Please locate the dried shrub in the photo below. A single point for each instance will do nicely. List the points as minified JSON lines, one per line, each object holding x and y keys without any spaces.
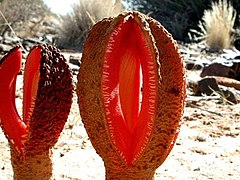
{"x":74,"y":27}
{"x":19,"y":13}
{"x":216,"y":27}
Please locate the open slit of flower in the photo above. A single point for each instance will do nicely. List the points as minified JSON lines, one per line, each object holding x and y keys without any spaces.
{"x":129,"y":88}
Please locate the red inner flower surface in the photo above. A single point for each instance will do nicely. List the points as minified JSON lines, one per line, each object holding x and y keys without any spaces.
{"x":31,"y":79}
{"x":14,"y":127}
{"x":129,"y":88}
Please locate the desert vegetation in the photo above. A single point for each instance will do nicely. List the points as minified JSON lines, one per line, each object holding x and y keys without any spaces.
{"x":217,"y":26}
{"x":74,"y":27}
{"x":20,"y":15}
{"x":181,"y":18}
{"x":215,"y":20}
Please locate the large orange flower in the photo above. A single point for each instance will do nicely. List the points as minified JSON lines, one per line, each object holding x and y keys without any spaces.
{"x":131,"y":89}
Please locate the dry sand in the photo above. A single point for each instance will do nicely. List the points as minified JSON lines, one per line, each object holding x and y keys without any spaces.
{"x":208,"y":146}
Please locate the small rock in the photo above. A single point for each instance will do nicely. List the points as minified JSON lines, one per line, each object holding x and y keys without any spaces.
{"x":226,"y":87}
{"x":197,"y":169}
{"x":190,"y":65}
{"x":208,"y":86}
{"x":75,"y":60}
{"x":216,"y":69}
{"x":235,"y":71}
{"x":201,"y":138}
{"x":205,"y":85}
{"x":237,"y":44}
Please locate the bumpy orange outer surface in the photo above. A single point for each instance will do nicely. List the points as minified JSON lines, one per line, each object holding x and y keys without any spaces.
{"x":169,"y":98}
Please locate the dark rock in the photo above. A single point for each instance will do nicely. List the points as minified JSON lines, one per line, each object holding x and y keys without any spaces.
{"x":205,"y":86}
{"x":237,"y":57}
{"x":235,"y":71}
{"x":237,"y":44}
{"x":208,"y":86}
{"x":190,"y":65}
{"x":216,"y":69}
{"x":225,"y":87}
{"x":75,"y":60}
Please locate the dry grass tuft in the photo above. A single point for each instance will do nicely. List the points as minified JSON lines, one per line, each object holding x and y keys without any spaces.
{"x":216,"y":28}
{"x":75,"y":26}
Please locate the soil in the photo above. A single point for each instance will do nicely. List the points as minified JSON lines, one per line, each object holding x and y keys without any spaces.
{"x":208,"y":146}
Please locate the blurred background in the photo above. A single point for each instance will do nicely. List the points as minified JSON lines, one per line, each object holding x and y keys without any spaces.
{"x":67,"y":23}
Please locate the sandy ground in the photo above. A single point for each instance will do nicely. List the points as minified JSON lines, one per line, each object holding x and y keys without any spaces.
{"x":208,"y":146}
